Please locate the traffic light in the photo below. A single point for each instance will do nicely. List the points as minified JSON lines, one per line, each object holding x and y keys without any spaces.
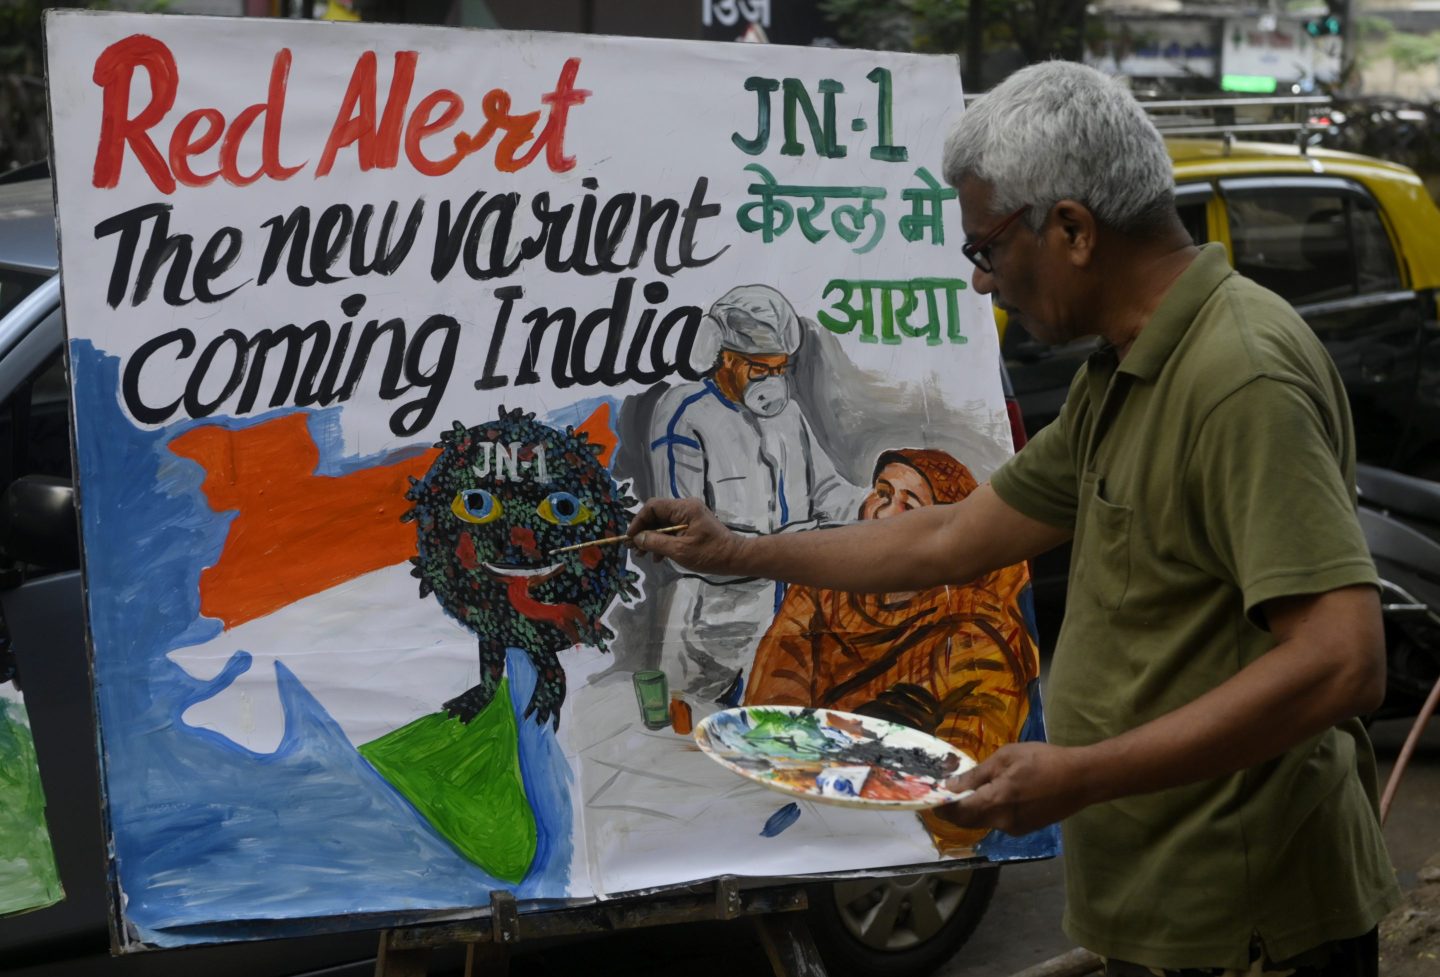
{"x":1324,"y":26}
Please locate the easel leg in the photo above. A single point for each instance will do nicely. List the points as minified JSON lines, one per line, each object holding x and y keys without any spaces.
{"x":789,"y":945}
{"x":400,"y":963}
{"x":487,"y":960}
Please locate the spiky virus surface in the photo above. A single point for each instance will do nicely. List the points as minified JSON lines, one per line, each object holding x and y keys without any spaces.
{"x":490,"y":513}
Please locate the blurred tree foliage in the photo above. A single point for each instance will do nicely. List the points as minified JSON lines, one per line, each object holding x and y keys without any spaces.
{"x":1041,"y":29}
{"x":24,"y":128}
{"x":1392,"y":127}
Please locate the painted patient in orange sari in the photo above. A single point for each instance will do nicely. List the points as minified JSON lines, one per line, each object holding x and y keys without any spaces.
{"x":955,"y":662}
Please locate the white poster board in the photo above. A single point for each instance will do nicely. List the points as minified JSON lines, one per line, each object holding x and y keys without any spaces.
{"x":365,"y":322}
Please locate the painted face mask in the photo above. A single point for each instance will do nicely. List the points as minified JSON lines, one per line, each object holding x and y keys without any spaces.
{"x":767,"y":397}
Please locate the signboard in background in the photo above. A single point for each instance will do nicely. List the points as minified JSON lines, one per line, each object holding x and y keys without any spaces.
{"x":373,"y":330}
{"x":1267,"y":47}
{"x":1156,"y":48}
{"x":798,"y":22}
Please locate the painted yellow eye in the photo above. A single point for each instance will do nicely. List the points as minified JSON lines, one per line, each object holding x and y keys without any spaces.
{"x":563,"y":509}
{"x":476,"y":506}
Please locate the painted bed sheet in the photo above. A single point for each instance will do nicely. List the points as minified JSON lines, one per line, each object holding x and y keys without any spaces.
{"x":28,"y":876}
{"x":366,"y":324}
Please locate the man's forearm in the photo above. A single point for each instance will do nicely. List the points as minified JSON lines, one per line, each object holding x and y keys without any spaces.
{"x":951,"y":544}
{"x":1320,"y":673}
{"x":875,"y":556}
{"x":926,"y":547}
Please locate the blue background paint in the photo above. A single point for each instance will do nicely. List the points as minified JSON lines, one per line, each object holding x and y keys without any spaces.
{"x":204,"y":829}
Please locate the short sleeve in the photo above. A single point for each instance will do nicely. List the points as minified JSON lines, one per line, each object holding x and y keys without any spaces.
{"x":1040,"y":481}
{"x":1268,"y":498}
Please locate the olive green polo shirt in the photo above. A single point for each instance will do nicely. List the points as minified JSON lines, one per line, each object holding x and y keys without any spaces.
{"x":1209,"y":471}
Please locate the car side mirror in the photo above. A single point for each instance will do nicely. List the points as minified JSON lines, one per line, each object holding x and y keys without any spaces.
{"x":37,"y":523}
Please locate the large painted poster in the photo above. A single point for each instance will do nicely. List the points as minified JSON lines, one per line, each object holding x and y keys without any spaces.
{"x":369,"y":325}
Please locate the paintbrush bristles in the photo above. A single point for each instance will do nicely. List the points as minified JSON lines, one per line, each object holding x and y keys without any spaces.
{"x":611,"y":540}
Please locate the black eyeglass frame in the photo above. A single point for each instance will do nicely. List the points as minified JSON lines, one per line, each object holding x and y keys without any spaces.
{"x":975,"y":250}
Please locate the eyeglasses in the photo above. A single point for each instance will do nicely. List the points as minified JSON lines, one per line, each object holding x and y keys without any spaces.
{"x":759,"y":371}
{"x":979,"y":251}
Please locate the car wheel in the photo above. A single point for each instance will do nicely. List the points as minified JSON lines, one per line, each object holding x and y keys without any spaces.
{"x":904,"y":926}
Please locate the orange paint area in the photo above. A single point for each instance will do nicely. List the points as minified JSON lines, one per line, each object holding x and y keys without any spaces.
{"x":296,"y":533}
{"x":598,"y":429}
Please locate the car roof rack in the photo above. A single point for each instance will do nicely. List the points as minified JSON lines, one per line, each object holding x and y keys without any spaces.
{"x":1241,"y":116}
{"x":1232,"y":117}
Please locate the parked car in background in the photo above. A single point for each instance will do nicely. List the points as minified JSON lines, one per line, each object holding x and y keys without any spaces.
{"x":1353,"y":243}
{"x":40,"y":595}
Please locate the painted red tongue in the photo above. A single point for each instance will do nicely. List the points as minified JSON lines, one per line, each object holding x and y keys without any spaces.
{"x":566,"y":617}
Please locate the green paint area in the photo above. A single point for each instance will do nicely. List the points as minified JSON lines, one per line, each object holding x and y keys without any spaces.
{"x":466,"y":780}
{"x":28,"y":878}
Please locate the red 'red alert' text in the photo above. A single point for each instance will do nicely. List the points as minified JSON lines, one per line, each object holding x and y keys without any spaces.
{"x":377,"y":135}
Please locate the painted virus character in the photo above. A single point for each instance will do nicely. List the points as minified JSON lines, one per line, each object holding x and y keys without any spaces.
{"x":489,"y":515}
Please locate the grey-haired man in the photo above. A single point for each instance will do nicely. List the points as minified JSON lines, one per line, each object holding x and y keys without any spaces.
{"x":1222,"y":628}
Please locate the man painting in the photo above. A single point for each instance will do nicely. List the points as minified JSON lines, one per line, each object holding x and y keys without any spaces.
{"x":1222,"y":629}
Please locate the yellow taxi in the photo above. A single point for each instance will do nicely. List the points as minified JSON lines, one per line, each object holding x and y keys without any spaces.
{"x":1352,"y":242}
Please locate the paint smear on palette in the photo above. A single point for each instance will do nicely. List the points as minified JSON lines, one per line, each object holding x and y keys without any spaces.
{"x":833,"y":757}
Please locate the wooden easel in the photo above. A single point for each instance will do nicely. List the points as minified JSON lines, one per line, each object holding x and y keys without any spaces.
{"x":490,"y":940}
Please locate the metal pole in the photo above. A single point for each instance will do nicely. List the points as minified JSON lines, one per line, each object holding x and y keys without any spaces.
{"x":1393,"y":784}
{"x":1349,"y":40}
{"x":975,"y":47}
{"x":1075,"y":963}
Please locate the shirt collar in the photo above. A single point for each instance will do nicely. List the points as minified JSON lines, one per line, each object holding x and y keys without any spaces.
{"x":1171,"y":319}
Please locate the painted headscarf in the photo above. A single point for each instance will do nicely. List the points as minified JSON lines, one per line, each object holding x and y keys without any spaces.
{"x":949,"y":480}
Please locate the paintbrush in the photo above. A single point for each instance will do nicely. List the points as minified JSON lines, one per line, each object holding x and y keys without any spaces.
{"x":611,"y":540}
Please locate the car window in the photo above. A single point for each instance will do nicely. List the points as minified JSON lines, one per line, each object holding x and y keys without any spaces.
{"x":1311,"y":246}
{"x":1375,"y":263}
{"x":35,"y":426}
{"x":14,"y":286}
{"x":1192,"y":215}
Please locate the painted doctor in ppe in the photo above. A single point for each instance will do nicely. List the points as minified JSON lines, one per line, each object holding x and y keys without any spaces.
{"x":738,"y":441}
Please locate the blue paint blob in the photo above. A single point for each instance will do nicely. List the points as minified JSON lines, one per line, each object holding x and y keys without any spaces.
{"x":730,"y":698}
{"x":780,"y":820}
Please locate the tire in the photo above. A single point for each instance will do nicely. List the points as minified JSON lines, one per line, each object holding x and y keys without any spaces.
{"x":905,"y":926}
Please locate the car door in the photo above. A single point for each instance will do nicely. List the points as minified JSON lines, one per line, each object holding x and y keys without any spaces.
{"x":1321,"y":242}
{"x":42,"y":612}
{"x":41,"y":601}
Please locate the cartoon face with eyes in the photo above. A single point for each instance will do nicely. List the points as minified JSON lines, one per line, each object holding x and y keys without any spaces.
{"x":490,"y":513}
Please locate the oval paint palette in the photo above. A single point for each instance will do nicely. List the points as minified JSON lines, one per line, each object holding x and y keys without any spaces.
{"x":833,"y":757}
